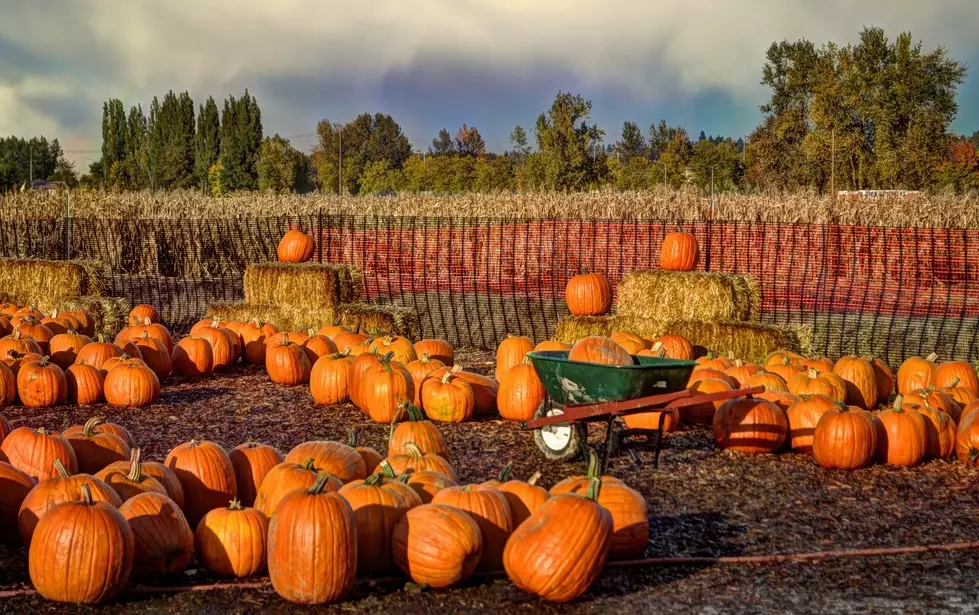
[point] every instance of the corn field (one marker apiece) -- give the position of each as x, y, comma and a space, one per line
938, 211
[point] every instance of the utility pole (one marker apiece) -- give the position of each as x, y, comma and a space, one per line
32, 165
340, 164
712, 187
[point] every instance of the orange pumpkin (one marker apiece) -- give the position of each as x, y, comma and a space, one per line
132, 385
143, 312
129, 484
17, 344
860, 378
164, 542
362, 364
295, 247
814, 383
155, 355
935, 398
385, 387
803, 416
85, 385
750, 425
676, 347
8, 386
400, 348
448, 398
742, 371
428, 483
371, 457
414, 427
436, 545
286, 477
337, 458
14, 487
437, 350
941, 432
286, 363
679, 252
702, 373
521, 393
632, 343
206, 475
415, 460
966, 439
916, 373
902, 436
523, 497
223, 350
39, 333
588, 294
713, 361
551, 345
231, 541
253, 336
377, 508
960, 371
885, 380
771, 382
252, 462
318, 346
330, 379
600, 350
420, 369
96, 449
98, 352
490, 511
192, 358
845, 438
41, 384
65, 347
703, 414
510, 353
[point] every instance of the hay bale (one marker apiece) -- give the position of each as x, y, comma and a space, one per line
748, 341
109, 314
692, 296
307, 285
395, 319
32, 281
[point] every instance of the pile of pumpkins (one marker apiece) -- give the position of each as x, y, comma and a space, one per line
94, 513
47, 361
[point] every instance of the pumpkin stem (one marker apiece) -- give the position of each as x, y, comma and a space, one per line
194, 443
61, 469
309, 464
87, 494
534, 478
594, 488
813, 374
235, 505
136, 466
319, 484
285, 339
445, 377
506, 472
374, 480
413, 450
659, 350
594, 466
353, 438
898, 404
89, 429
973, 454
932, 357
100, 338
954, 383
386, 470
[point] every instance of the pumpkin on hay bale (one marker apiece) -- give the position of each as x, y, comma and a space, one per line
749, 341
308, 285
680, 295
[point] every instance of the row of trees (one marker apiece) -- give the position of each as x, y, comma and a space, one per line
23, 161
874, 114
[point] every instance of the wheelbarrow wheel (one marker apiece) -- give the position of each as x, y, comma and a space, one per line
562, 441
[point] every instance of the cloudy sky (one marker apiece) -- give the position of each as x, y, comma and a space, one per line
432, 63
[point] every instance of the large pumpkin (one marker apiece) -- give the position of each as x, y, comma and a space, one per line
676, 347
155, 355
490, 510
41, 384
163, 475
318, 346
286, 363
17, 344
132, 385
164, 542
400, 348
633, 344
941, 432
916, 373
34, 451
803, 416
287, 477
253, 336
845, 438
63, 570
223, 348
750, 425
385, 387
860, 378
337, 458
510, 353
64, 487
599, 350
588, 294
703, 414
143, 312
815, 383
192, 358
962, 371
65, 347
449, 399
362, 364
231, 541
426, 484
420, 369
377, 508
437, 350
414, 427
94, 449
98, 352
330, 379
313, 546
885, 380
295, 247
547, 556
252, 462
14, 487
206, 475
679, 252
437, 545
521, 393
902, 436
967, 439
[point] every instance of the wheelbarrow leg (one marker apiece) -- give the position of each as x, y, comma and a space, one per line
609, 435
659, 440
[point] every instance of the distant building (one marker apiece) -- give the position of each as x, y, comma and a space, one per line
878, 194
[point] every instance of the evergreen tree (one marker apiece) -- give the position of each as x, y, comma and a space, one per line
135, 162
519, 149
154, 146
177, 159
207, 140
660, 136
365, 140
442, 145
469, 142
632, 144
567, 143
241, 140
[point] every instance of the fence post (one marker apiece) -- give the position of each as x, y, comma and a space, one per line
67, 247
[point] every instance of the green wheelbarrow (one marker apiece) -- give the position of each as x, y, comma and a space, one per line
579, 392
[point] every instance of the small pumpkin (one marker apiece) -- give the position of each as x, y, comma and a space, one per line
132, 483
523, 497
490, 510
34, 451
420, 369
371, 457
771, 382
803, 416
510, 353
143, 312
330, 379
132, 385
295, 247
679, 251
742, 371
414, 459
633, 344
206, 475
253, 336
428, 483
935, 398
400, 348
16, 343
962, 373
41, 334
377, 509
385, 387
98, 352
232, 541
252, 461
750, 425
521, 393
437, 350
286, 363
485, 389
437, 545
902, 436
555, 529
312, 546
163, 540
860, 379
81, 575
362, 364
65, 347
155, 355
41, 384
94, 449
336, 458
814, 383
588, 294
318, 346
676, 347
941, 432
223, 349
413, 426
599, 350
703, 414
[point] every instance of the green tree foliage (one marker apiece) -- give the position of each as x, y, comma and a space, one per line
18, 156
567, 144
368, 138
154, 146
442, 145
719, 164
974, 139
660, 136
961, 171
207, 141
281, 167
880, 109
113, 134
519, 148
216, 179
636, 173
493, 174
632, 144
241, 139
675, 158
176, 169
136, 160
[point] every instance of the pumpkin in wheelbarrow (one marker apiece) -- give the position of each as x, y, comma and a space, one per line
600, 350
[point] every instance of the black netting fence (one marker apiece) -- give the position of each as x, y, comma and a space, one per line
892, 292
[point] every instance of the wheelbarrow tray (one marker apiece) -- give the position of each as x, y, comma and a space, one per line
572, 383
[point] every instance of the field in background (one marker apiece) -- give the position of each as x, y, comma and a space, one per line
929, 210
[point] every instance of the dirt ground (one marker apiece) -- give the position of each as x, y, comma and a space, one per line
701, 504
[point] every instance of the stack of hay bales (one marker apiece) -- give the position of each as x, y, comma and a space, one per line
63, 286
715, 311
300, 296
